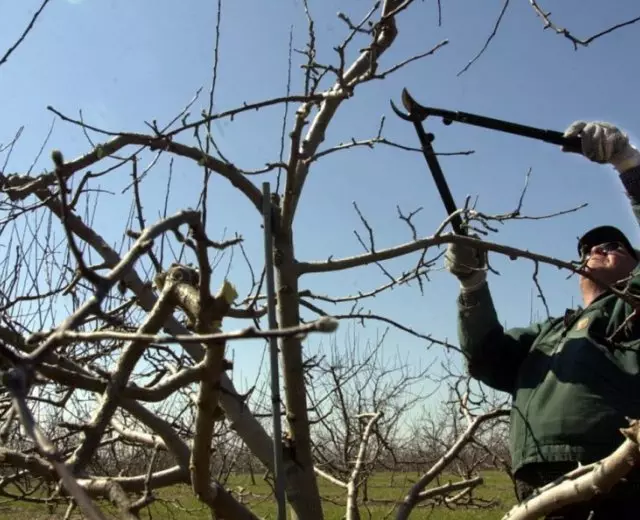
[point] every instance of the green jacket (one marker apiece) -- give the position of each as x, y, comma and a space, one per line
572, 384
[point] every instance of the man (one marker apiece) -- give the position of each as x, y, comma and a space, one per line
574, 379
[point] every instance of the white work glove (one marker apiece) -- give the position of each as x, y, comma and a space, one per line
605, 143
467, 264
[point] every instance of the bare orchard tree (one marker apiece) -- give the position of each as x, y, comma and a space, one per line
108, 345
462, 437
116, 346
360, 396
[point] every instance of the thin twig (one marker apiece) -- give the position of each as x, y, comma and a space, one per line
369, 143
96, 280
42, 147
285, 116
24, 33
486, 44
548, 24
406, 62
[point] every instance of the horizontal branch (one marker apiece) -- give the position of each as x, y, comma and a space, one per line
418, 245
35, 464
329, 478
159, 392
324, 325
18, 186
311, 98
450, 487
249, 312
95, 486
604, 475
400, 280
370, 143
393, 323
146, 439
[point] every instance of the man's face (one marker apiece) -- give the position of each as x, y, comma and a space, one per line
610, 261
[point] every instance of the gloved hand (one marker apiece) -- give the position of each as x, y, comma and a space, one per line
466, 263
605, 143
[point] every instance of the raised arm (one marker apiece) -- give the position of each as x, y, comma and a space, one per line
493, 355
631, 181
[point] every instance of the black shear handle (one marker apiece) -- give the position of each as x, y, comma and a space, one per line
420, 113
569, 144
438, 177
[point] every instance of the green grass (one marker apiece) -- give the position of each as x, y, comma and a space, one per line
179, 504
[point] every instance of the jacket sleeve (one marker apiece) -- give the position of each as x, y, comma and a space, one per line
631, 182
493, 355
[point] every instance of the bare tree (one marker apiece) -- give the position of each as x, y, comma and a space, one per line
360, 398
113, 358
461, 438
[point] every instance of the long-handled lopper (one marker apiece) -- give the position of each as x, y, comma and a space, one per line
417, 113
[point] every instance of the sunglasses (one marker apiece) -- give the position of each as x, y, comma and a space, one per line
606, 248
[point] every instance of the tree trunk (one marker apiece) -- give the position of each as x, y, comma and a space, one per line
309, 506
353, 513
251, 472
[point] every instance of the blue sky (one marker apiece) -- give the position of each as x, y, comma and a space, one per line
124, 62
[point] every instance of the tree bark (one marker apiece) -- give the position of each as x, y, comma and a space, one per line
309, 505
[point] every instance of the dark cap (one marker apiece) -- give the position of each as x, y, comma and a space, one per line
602, 234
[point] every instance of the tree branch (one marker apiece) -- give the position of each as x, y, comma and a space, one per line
486, 44
24, 33
384, 36
548, 24
596, 480
413, 497
411, 247
18, 187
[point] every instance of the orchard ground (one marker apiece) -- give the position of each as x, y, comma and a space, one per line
384, 490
